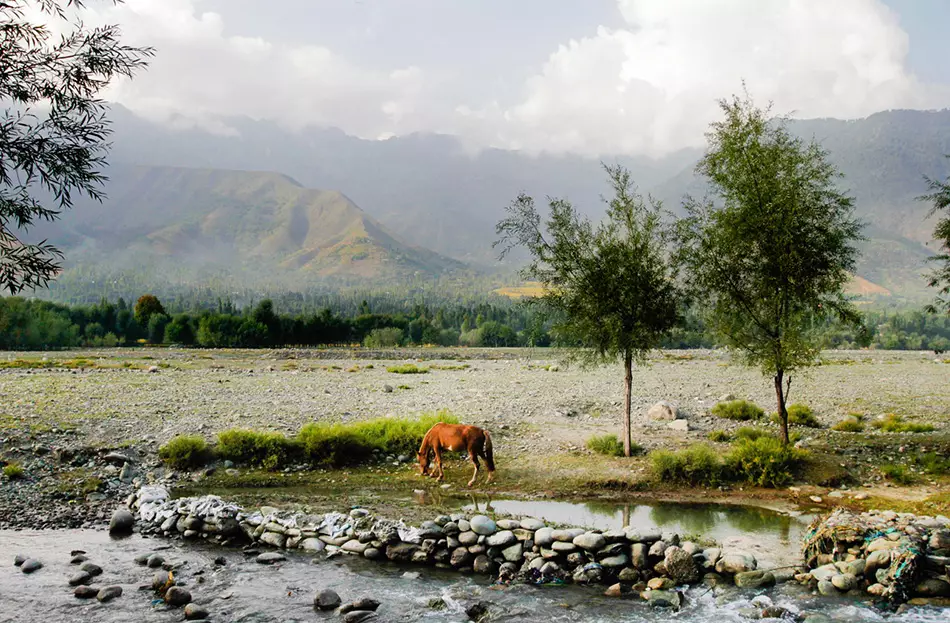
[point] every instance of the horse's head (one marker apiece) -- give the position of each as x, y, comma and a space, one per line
423, 463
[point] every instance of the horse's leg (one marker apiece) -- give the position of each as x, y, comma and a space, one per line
474, 456
438, 461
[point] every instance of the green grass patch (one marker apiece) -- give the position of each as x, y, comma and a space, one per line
610, 445
328, 445
719, 436
893, 423
697, 465
898, 473
751, 433
799, 415
740, 410
409, 368
849, 425
463, 366
39, 364
933, 464
14, 471
185, 452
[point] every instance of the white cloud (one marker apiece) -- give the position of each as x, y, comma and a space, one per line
652, 86
648, 87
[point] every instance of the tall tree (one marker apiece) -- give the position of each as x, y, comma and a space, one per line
773, 247
611, 286
53, 132
940, 278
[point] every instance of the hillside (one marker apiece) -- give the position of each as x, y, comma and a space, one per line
253, 224
431, 192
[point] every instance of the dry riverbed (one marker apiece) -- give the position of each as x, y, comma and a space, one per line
61, 414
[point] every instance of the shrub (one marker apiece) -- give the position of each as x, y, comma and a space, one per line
257, 449
14, 471
765, 462
409, 368
751, 433
799, 415
898, 473
386, 337
697, 465
896, 424
720, 436
849, 425
933, 463
741, 410
185, 452
610, 445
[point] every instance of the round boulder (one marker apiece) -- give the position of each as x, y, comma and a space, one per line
327, 600
481, 524
121, 522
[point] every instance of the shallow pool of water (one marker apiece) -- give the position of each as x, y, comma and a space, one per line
243, 591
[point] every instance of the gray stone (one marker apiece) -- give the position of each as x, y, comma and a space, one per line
483, 564
154, 561
353, 546
194, 612
854, 567
108, 593
81, 558
844, 582
733, 562
530, 523
662, 411
824, 573
85, 592
657, 549
508, 524
933, 587
680, 565
19, 559
940, 539
664, 599
327, 600
550, 568
543, 537
501, 539
460, 557
117, 458
269, 558
513, 552
638, 555
312, 545
401, 552
365, 604
642, 536
754, 579
372, 553
356, 616
83, 577
826, 588
463, 524
481, 524
588, 574
31, 565
177, 596
468, 538
568, 535
629, 575
614, 562
273, 539
681, 425
590, 541
563, 547
122, 522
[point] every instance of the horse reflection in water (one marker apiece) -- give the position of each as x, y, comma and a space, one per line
456, 438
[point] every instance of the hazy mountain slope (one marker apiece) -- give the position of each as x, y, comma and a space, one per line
429, 191
253, 223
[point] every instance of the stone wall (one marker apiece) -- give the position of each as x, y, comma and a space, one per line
647, 563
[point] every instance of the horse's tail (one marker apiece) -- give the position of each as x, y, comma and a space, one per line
489, 458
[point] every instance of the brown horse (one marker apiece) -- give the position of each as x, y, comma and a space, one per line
456, 437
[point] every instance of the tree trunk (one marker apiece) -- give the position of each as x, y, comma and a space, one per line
782, 413
628, 387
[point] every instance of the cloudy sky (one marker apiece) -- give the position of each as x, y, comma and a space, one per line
594, 77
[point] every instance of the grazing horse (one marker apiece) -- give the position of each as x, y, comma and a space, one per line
456, 437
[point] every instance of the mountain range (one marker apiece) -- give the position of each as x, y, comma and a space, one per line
243, 198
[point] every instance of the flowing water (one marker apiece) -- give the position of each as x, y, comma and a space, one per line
244, 591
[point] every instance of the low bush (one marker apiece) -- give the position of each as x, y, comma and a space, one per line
896, 424
697, 465
741, 410
751, 433
257, 449
720, 436
409, 368
898, 473
185, 452
13, 471
933, 463
849, 425
799, 415
764, 462
610, 445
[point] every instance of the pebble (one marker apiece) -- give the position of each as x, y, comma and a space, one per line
85, 592
109, 593
177, 596
366, 603
92, 569
356, 616
19, 559
154, 561
327, 600
194, 612
82, 577
269, 558
30, 565
122, 522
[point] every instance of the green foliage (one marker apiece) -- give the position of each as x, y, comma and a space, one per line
751, 433
257, 449
180, 331
740, 410
387, 337
764, 462
609, 445
893, 423
55, 135
850, 424
14, 471
778, 247
719, 436
408, 368
611, 288
697, 465
147, 306
798, 415
898, 473
933, 463
185, 452
940, 277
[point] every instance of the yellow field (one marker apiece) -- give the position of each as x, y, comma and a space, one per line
529, 289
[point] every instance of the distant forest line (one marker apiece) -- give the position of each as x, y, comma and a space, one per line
385, 319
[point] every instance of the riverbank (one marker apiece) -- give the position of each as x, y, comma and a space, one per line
65, 414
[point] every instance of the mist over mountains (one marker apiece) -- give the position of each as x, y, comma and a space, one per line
318, 203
